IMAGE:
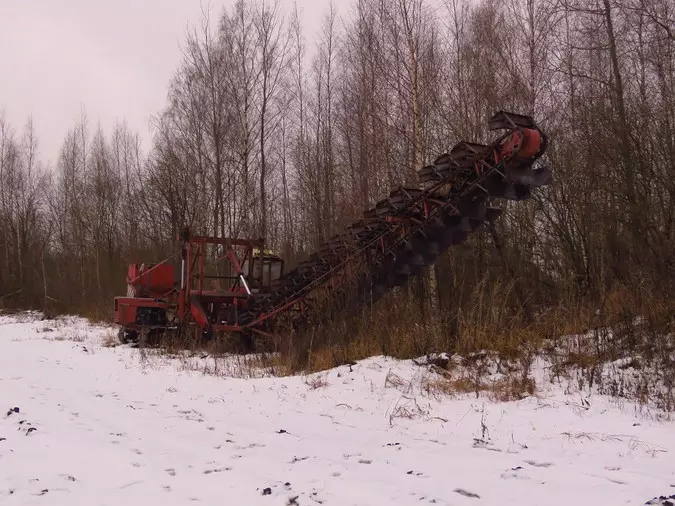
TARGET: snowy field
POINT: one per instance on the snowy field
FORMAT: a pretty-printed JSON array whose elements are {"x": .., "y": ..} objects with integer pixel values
[{"x": 98, "y": 425}]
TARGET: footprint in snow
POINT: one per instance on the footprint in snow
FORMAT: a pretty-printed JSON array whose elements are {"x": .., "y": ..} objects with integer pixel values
[
  {"x": 612, "y": 480},
  {"x": 219, "y": 470},
  {"x": 538, "y": 464},
  {"x": 466, "y": 493},
  {"x": 248, "y": 447},
  {"x": 315, "y": 497},
  {"x": 192, "y": 415},
  {"x": 431, "y": 500},
  {"x": 485, "y": 445},
  {"x": 130, "y": 484},
  {"x": 298, "y": 459},
  {"x": 268, "y": 490},
  {"x": 515, "y": 472}
]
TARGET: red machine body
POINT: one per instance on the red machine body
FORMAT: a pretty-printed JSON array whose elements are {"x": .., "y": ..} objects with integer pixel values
[
  {"x": 149, "y": 293},
  {"x": 207, "y": 284},
  {"x": 151, "y": 280}
]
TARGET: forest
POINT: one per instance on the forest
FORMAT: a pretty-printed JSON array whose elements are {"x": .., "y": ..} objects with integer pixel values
[{"x": 259, "y": 139}]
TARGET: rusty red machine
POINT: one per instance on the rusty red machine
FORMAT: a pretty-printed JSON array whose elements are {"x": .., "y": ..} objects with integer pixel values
[
  {"x": 214, "y": 286},
  {"x": 207, "y": 285}
]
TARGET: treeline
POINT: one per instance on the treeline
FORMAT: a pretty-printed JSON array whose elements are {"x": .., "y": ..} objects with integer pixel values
[{"x": 258, "y": 139}]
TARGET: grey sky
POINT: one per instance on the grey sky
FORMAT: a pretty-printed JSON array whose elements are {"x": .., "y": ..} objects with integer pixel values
[{"x": 112, "y": 57}]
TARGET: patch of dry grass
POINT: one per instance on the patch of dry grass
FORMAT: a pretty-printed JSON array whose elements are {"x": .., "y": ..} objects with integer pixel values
[
  {"x": 110, "y": 340},
  {"x": 316, "y": 381},
  {"x": 407, "y": 408},
  {"x": 625, "y": 350},
  {"x": 510, "y": 387},
  {"x": 624, "y": 325},
  {"x": 393, "y": 380}
]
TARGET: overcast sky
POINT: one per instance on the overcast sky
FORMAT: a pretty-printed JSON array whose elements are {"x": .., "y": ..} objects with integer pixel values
[{"x": 112, "y": 57}]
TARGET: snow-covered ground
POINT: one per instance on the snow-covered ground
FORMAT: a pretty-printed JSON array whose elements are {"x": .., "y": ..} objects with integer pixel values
[{"x": 97, "y": 425}]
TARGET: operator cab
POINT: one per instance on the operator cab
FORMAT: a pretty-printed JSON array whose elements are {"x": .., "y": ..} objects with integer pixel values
[{"x": 268, "y": 268}]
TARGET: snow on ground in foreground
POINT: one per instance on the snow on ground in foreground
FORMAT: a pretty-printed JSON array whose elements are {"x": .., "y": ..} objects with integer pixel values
[{"x": 96, "y": 427}]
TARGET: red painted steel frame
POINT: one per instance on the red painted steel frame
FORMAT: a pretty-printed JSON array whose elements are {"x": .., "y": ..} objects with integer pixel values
[
  {"x": 194, "y": 248},
  {"x": 192, "y": 301}
]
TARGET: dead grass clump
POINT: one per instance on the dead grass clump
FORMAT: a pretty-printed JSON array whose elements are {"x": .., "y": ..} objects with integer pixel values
[
  {"x": 98, "y": 314},
  {"x": 393, "y": 380},
  {"x": 481, "y": 374},
  {"x": 583, "y": 360},
  {"x": 110, "y": 340},
  {"x": 626, "y": 349},
  {"x": 316, "y": 381},
  {"x": 400, "y": 327},
  {"x": 394, "y": 328},
  {"x": 76, "y": 337},
  {"x": 335, "y": 355},
  {"x": 450, "y": 387},
  {"x": 504, "y": 389},
  {"x": 512, "y": 388},
  {"x": 223, "y": 356},
  {"x": 234, "y": 366},
  {"x": 407, "y": 408}
]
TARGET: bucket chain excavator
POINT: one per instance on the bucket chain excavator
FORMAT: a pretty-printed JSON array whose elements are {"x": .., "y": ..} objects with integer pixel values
[{"x": 249, "y": 292}]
